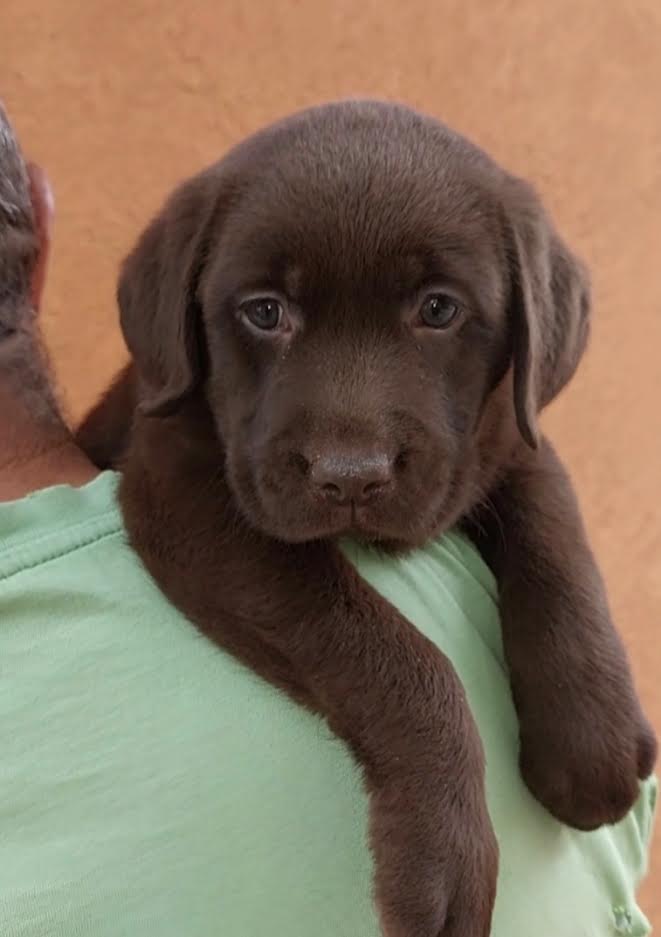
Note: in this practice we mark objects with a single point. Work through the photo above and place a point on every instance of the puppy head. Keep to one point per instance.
(371, 308)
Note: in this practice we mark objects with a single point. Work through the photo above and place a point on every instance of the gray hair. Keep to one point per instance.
(18, 240)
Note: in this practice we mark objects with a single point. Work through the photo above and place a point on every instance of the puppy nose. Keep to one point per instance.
(346, 477)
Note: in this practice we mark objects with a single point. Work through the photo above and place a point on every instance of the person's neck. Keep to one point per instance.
(36, 447)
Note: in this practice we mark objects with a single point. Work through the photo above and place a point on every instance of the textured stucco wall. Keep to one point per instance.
(120, 100)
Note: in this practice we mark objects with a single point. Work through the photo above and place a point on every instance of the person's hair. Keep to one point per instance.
(24, 363)
(18, 240)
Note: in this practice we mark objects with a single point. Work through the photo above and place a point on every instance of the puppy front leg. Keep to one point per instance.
(396, 700)
(585, 742)
(304, 620)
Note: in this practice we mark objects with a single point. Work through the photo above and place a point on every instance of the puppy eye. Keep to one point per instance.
(264, 313)
(439, 311)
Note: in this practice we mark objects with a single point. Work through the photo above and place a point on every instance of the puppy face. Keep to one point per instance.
(350, 288)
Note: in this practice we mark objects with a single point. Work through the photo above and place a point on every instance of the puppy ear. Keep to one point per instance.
(157, 295)
(549, 309)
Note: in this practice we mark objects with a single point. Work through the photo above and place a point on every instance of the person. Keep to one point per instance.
(151, 785)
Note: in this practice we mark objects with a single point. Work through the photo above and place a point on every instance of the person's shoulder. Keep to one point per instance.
(445, 589)
(57, 521)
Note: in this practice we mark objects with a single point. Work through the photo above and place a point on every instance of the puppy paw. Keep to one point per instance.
(436, 870)
(585, 759)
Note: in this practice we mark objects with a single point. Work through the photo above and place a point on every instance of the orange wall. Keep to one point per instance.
(119, 105)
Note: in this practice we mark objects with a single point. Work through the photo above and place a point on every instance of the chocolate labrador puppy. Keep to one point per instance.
(348, 327)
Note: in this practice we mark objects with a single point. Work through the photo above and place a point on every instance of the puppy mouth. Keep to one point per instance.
(390, 526)
(353, 520)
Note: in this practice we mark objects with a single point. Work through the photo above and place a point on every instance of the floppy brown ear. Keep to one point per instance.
(549, 309)
(157, 296)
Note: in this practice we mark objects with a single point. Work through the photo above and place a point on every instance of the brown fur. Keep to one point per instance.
(252, 451)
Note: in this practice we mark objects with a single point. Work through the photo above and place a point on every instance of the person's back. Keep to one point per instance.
(152, 785)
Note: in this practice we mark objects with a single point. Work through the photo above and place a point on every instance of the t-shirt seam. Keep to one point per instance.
(79, 536)
(59, 531)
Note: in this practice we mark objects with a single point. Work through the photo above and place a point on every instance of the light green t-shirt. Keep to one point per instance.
(150, 786)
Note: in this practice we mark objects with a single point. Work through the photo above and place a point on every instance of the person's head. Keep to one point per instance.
(35, 445)
(374, 310)
(19, 246)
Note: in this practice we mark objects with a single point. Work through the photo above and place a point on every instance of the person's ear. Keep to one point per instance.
(43, 208)
(157, 294)
(549, 308)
